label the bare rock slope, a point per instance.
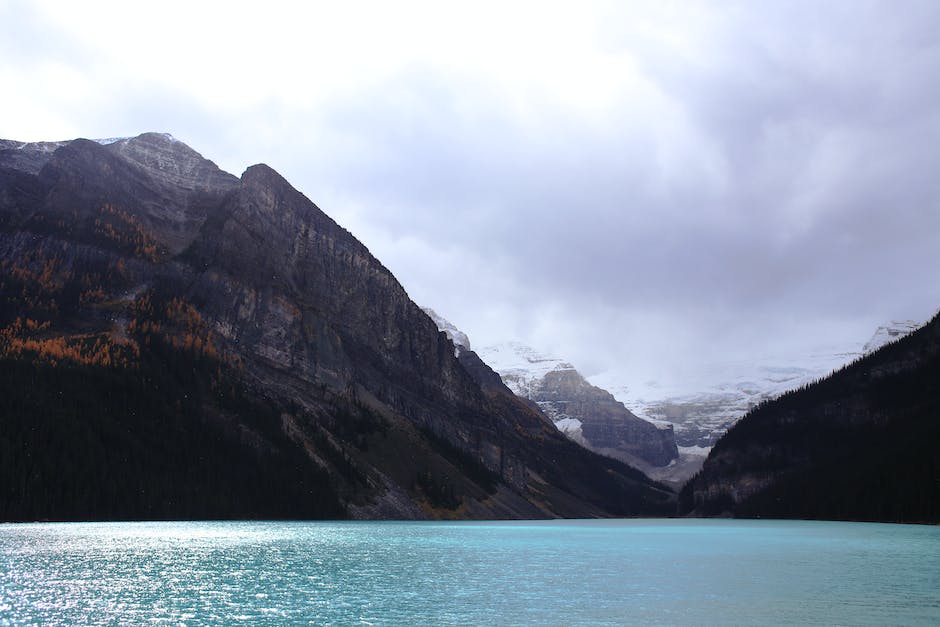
(258, 324)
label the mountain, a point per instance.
(556, 390)
(860, 444)
(890, 332)
(702, 401)
(178, 342)
(456, 336)
(587, 414)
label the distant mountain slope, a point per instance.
(704, 400)
(587, 413)
(890, 332)
(860, 444)
(180, 342)
(555, 390)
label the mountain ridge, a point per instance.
(714, 396)
(859, 444)
(543, 381)
(122, 256)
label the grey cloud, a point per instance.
(28, 38)
(777, 184)
(828, 207)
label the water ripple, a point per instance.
(572, 572)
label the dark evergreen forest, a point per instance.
(166, 439)
(861, 444)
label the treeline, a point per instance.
(167, 439)
(860, 444)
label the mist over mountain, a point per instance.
(588, 415)
(180, 342)
(704, 400)
(860, 444)
(731, 390)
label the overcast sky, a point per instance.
(633, 186)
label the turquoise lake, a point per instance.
(491, 573)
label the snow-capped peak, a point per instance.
(105, 141)
(704, 400)
(41, 146)
(519, 358)
(520, 365)
(455, 335)
(887, 333)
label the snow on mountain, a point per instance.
(455, 335)
(104, 141)
(703, 400)
(887, 333)
(521, 366)
(52, 146)
(572, 428)
(48, 147)
(585, 413)
(700, 402)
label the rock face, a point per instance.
(860, 444)
(455, 335)
(133, 258)
(588, 414)
(605, 425)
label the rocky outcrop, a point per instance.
(155, 254)
(604, 424)
(588, 415)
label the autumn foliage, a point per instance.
(28, 338)
(109, 227)
(173, 321)
(56, 309)
(121, 228)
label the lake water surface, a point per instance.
(491, 573)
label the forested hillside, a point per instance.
(861, 444)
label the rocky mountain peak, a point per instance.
(27, 157)
(171, 162)
(168, 187)
(586, 414)
(263, 174)
(521, 366)
(140, 255)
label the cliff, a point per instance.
(588, 414)
(140, 279)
